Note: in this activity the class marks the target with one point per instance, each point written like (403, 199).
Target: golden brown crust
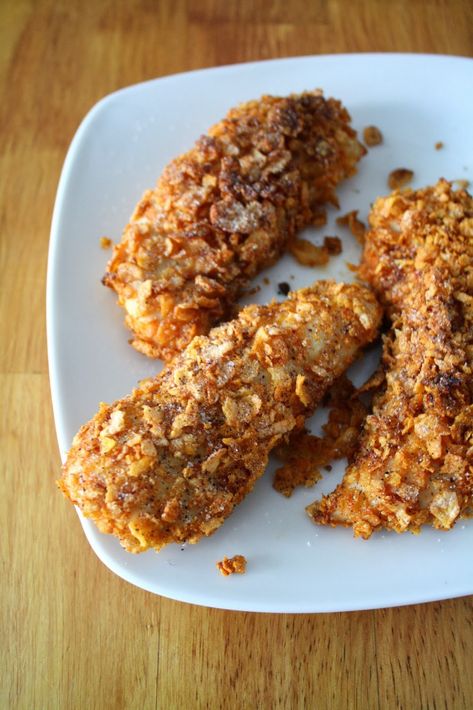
(415, 463)
(170, 462)
(223, 211)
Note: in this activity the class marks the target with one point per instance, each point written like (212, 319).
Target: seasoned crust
(223, 211)
(415, 462)
(170, 462)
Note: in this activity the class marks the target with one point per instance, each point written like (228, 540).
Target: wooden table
(73, 635)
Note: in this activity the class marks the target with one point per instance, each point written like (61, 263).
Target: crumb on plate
(372, 136)
(439, 145)
(304, 454)
(232, 565)
(105, 242)
(251, 291)
(309, 254)
(400, 177)
(356, 226)
(333, 245)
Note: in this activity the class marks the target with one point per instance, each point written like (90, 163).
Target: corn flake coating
(225, 210)
(415, 460)
(170, 462)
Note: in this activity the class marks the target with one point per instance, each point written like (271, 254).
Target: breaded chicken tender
(224, 211)
(415, 461)
(170, 462)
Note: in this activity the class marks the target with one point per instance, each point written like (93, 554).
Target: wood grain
(74, 635)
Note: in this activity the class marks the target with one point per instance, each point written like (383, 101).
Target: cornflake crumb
(304, 454)
(301, 457)
(356, 226)
(266, 281)
(105, 242)
(232, 565)
(462, 184)
(252, 291)
(333, 245)
(309, 254)
(372, 136)
(439, 145)
(400, 177)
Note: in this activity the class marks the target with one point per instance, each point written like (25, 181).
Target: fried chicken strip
(224, 211)
(171, 461)
(415, 461)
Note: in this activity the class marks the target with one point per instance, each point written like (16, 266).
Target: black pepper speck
(283, 288)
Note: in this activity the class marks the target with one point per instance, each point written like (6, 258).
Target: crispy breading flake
(140, 466)
(356, 226)
(232, 565)
(301, 391)
(105, 242)
(107, 444)
(171, 511)
(399, 178)
(309, 254)
(115, 425)
(301, 471)
(137, 534)
(372, 136)
(333, 245)
(305, 454)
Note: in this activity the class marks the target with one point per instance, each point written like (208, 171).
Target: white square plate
(119, 151)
